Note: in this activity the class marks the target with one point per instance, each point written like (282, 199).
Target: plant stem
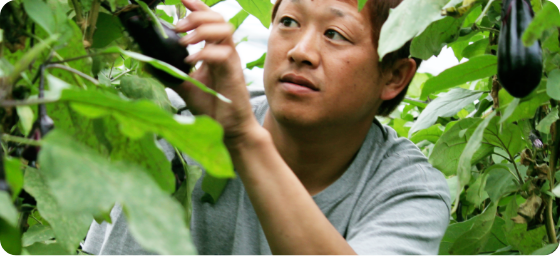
(549, 221)
(22, 223)
(79, 58)
(77, 72)
(20, 140)
(13, 103)
(121, 74)
(79, 13)
(93, 14)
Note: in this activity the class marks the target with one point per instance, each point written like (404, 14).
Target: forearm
(292, 222)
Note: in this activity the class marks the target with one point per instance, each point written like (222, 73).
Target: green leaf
(10, 237)
(476, 49)
(406, 21)
(37, 233)
(14, 175)
(213, 187)
(465, 161)
(526, 241)
(553, 84)
(497, 238)
(160, 229)
(238, 18)
(199, 137)
(361, 4)
(153, 18)
(167, 68)
(7, 210)
(452, 184)
(69, 227)
(257, 63)
(435, 37)
(26, 118)
(548, 17)
(476, 68)
(108, 30)
(453, 232)
(502, 180)
(545, 123)
(184, 193)
(136, 87)
(476, 193)
(546, 250)
(431, 134)
(399, 126)
(49, 248)
(415, 87)
(42, 14)
(507, 136)
(509, 110)
(474, 240)
(262, 9)
(527, 106)
(446, 105)
(448, 149)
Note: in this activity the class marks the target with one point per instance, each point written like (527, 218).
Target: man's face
(321, 66)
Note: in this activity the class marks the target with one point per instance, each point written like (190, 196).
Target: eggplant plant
(83, 107)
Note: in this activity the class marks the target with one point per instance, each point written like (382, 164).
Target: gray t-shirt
(389, 201)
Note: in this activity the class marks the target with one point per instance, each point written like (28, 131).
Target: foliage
(498, 153)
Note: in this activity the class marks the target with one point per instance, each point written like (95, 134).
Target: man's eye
(334, 35)
(288, 22)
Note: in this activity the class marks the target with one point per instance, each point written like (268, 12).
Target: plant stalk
(549, 221)
(77, 72)
(20, 140)
(93, 14)
(79, 14)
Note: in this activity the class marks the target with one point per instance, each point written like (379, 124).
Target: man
(318, 173)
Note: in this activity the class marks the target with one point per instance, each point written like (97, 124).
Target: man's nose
(306, 49)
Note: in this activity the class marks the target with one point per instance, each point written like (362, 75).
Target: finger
(211, 33)
(195, 5)
(196, 19)
(212, 54)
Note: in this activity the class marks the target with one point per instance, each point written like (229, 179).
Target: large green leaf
(37, 233)
(545, 123)
(476, 49)
(446, 105)
(10, 236)
(238, 18)
(496, 238)
(406, 21)
(546, 250)
(448, 149)
(108, 29)
(431, 134)
(476, 68)
(435, 37)
(476, 193)
(14, 175)
(415, 86)
(69, 228)
(466, 158)
(553, 84)
(66, 164)
(213, 187)
(199, 137)
(184, 193)
(508, 136)
(42, 14)
(547, 18)
(453, 232)
(528, 105)
(474, 240)
(526, 241)
(262, 9)
(502, 181)
(136, 87)
(46, 248)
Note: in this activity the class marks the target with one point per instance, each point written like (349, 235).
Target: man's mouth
(298, 80)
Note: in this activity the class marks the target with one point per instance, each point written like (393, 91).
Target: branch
(121, 74)
(13, 103)
(77, 72)
(93, 14)
(20, 140)
(79, 13)
(80, 57)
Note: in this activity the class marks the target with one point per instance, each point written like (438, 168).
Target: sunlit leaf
(262, 9)
(476, 68)
(547, 18)
(161, 229)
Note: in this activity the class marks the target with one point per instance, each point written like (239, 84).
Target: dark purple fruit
(152, 44)
(519, 68)
(41, 127)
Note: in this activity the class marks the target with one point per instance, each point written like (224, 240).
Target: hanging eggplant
(519, 68)
(148, 37)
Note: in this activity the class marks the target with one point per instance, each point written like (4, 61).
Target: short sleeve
(407, 211)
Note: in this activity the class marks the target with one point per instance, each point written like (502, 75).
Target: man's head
(331, 48)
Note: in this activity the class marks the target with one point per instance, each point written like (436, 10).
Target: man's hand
(220, 70)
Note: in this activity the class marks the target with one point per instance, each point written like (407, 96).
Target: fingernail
(186, 39)
(189, 59)
(182, 24)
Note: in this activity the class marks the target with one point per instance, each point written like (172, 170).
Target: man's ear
(397, 78)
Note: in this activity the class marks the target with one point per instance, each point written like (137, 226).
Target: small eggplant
(519, 68)
(41, 127)
(152, 43)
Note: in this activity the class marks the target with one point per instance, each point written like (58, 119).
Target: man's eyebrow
(334, 11)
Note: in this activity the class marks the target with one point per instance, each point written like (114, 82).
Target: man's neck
(317, 155)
